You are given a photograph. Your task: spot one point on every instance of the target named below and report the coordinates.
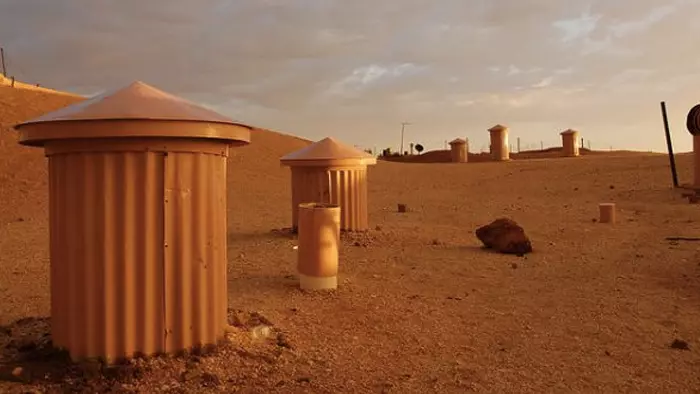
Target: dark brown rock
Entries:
(402, 208)
(505, 236)
(680, 345)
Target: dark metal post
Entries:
(403, 127)
(2, 60)
(669, 145)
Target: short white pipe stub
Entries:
(318, 283)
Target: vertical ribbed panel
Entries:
(138, 251)
(195, 258)
(106, 261)
(346, 187)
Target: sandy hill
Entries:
(420, 306)
(23, 170)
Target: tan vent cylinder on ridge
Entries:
(319, 239)
(499, 143)
(137, 183)
(458, 151)
(569, 140)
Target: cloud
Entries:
(577, 28)
(357, 69)
(512, 70)
(655, 15)
(544, 83)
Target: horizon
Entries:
(357, 70)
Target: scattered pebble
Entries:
(680, 344)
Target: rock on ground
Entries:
(505, 236)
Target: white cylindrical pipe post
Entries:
(319, 240)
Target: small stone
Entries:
(679, 344)
(261, 331)
(210, 380)
(237, 319)
(19, 374)
(282, 341)
(436, 242)
(612, 187)
(402, 208)
(514, 265)
(378, 228)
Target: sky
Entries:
(356, 70)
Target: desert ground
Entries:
(420, 306)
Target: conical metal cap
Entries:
(328, 152)
(137, 102)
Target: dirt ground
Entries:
(420, 306)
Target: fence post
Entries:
(2, 60)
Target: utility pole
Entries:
(2, 60)
(403, 127)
